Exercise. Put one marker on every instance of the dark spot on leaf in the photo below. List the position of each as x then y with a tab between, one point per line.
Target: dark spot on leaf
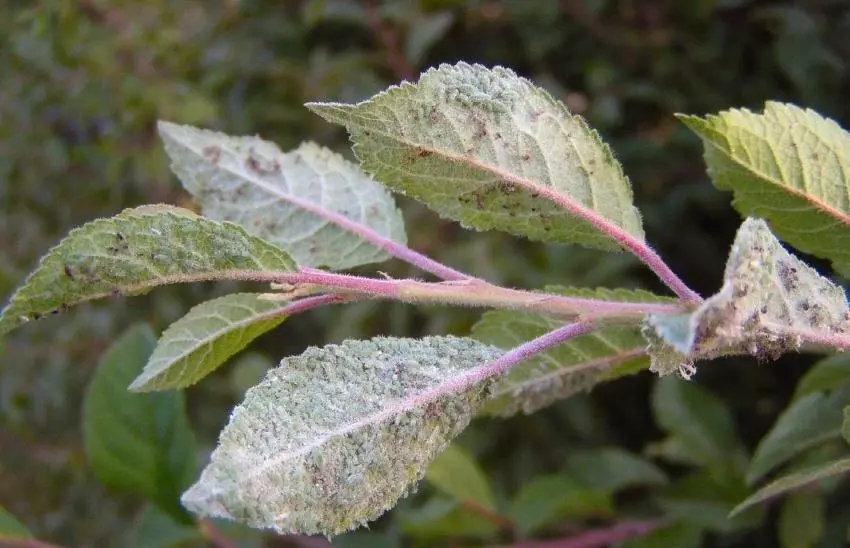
526	156
212	153
68	271
423	152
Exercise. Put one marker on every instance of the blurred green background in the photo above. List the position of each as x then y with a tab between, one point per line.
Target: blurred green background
83	82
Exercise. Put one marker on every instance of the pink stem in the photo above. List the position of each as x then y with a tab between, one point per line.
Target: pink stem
309	303
473	293
600	537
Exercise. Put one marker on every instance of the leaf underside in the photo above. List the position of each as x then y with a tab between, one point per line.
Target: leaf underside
769	302
298	200
569	368
205	338
788	165
486	147
135	251
334	437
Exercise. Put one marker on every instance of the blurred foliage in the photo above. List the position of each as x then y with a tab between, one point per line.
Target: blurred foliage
83	82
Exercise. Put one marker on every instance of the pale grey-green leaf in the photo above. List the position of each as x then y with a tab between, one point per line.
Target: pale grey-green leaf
334	437
309	201
205	338
770	302
135	251
789	165
575	366
491	150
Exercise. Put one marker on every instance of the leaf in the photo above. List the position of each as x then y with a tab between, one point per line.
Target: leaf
845	425
699	420
825	375
808	421
801	520
443	519
489	149
794	481
139	443
770	302
456	474
552	497
679	534
311	202
788	165
612	469
11	528
198	343
153	529
569	368
134	252
334	437
705	498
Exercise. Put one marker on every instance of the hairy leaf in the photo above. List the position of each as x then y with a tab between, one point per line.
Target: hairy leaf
794	481
700	420
456	473
310	201
334	437
11	528
788	165
770	302
810	420
198	343
489	149
141	443
575	366
134	252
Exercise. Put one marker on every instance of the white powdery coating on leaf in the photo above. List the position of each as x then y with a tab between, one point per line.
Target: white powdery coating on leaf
334	437
480	145
286	198
770	299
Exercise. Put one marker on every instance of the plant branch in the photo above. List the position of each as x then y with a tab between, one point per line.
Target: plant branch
389	40
214	535
476	293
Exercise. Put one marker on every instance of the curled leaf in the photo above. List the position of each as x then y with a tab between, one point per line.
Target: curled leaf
770	302
334	437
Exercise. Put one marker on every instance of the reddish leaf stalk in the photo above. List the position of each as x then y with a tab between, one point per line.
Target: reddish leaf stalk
474	293
598	538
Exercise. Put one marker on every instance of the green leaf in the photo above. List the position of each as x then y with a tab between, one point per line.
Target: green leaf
547	499
794	481
198	343
456	474
808	421
310	201
825	375
442	519
788	165
770	302
572	367
612	469
140	443
334	437
704	426
11	528
680	534
705	498
136	251
802	520
154	529
845	425
491	150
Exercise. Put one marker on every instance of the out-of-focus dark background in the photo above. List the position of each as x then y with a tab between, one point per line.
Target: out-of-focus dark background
82	83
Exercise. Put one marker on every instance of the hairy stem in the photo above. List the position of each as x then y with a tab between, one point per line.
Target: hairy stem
474	293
